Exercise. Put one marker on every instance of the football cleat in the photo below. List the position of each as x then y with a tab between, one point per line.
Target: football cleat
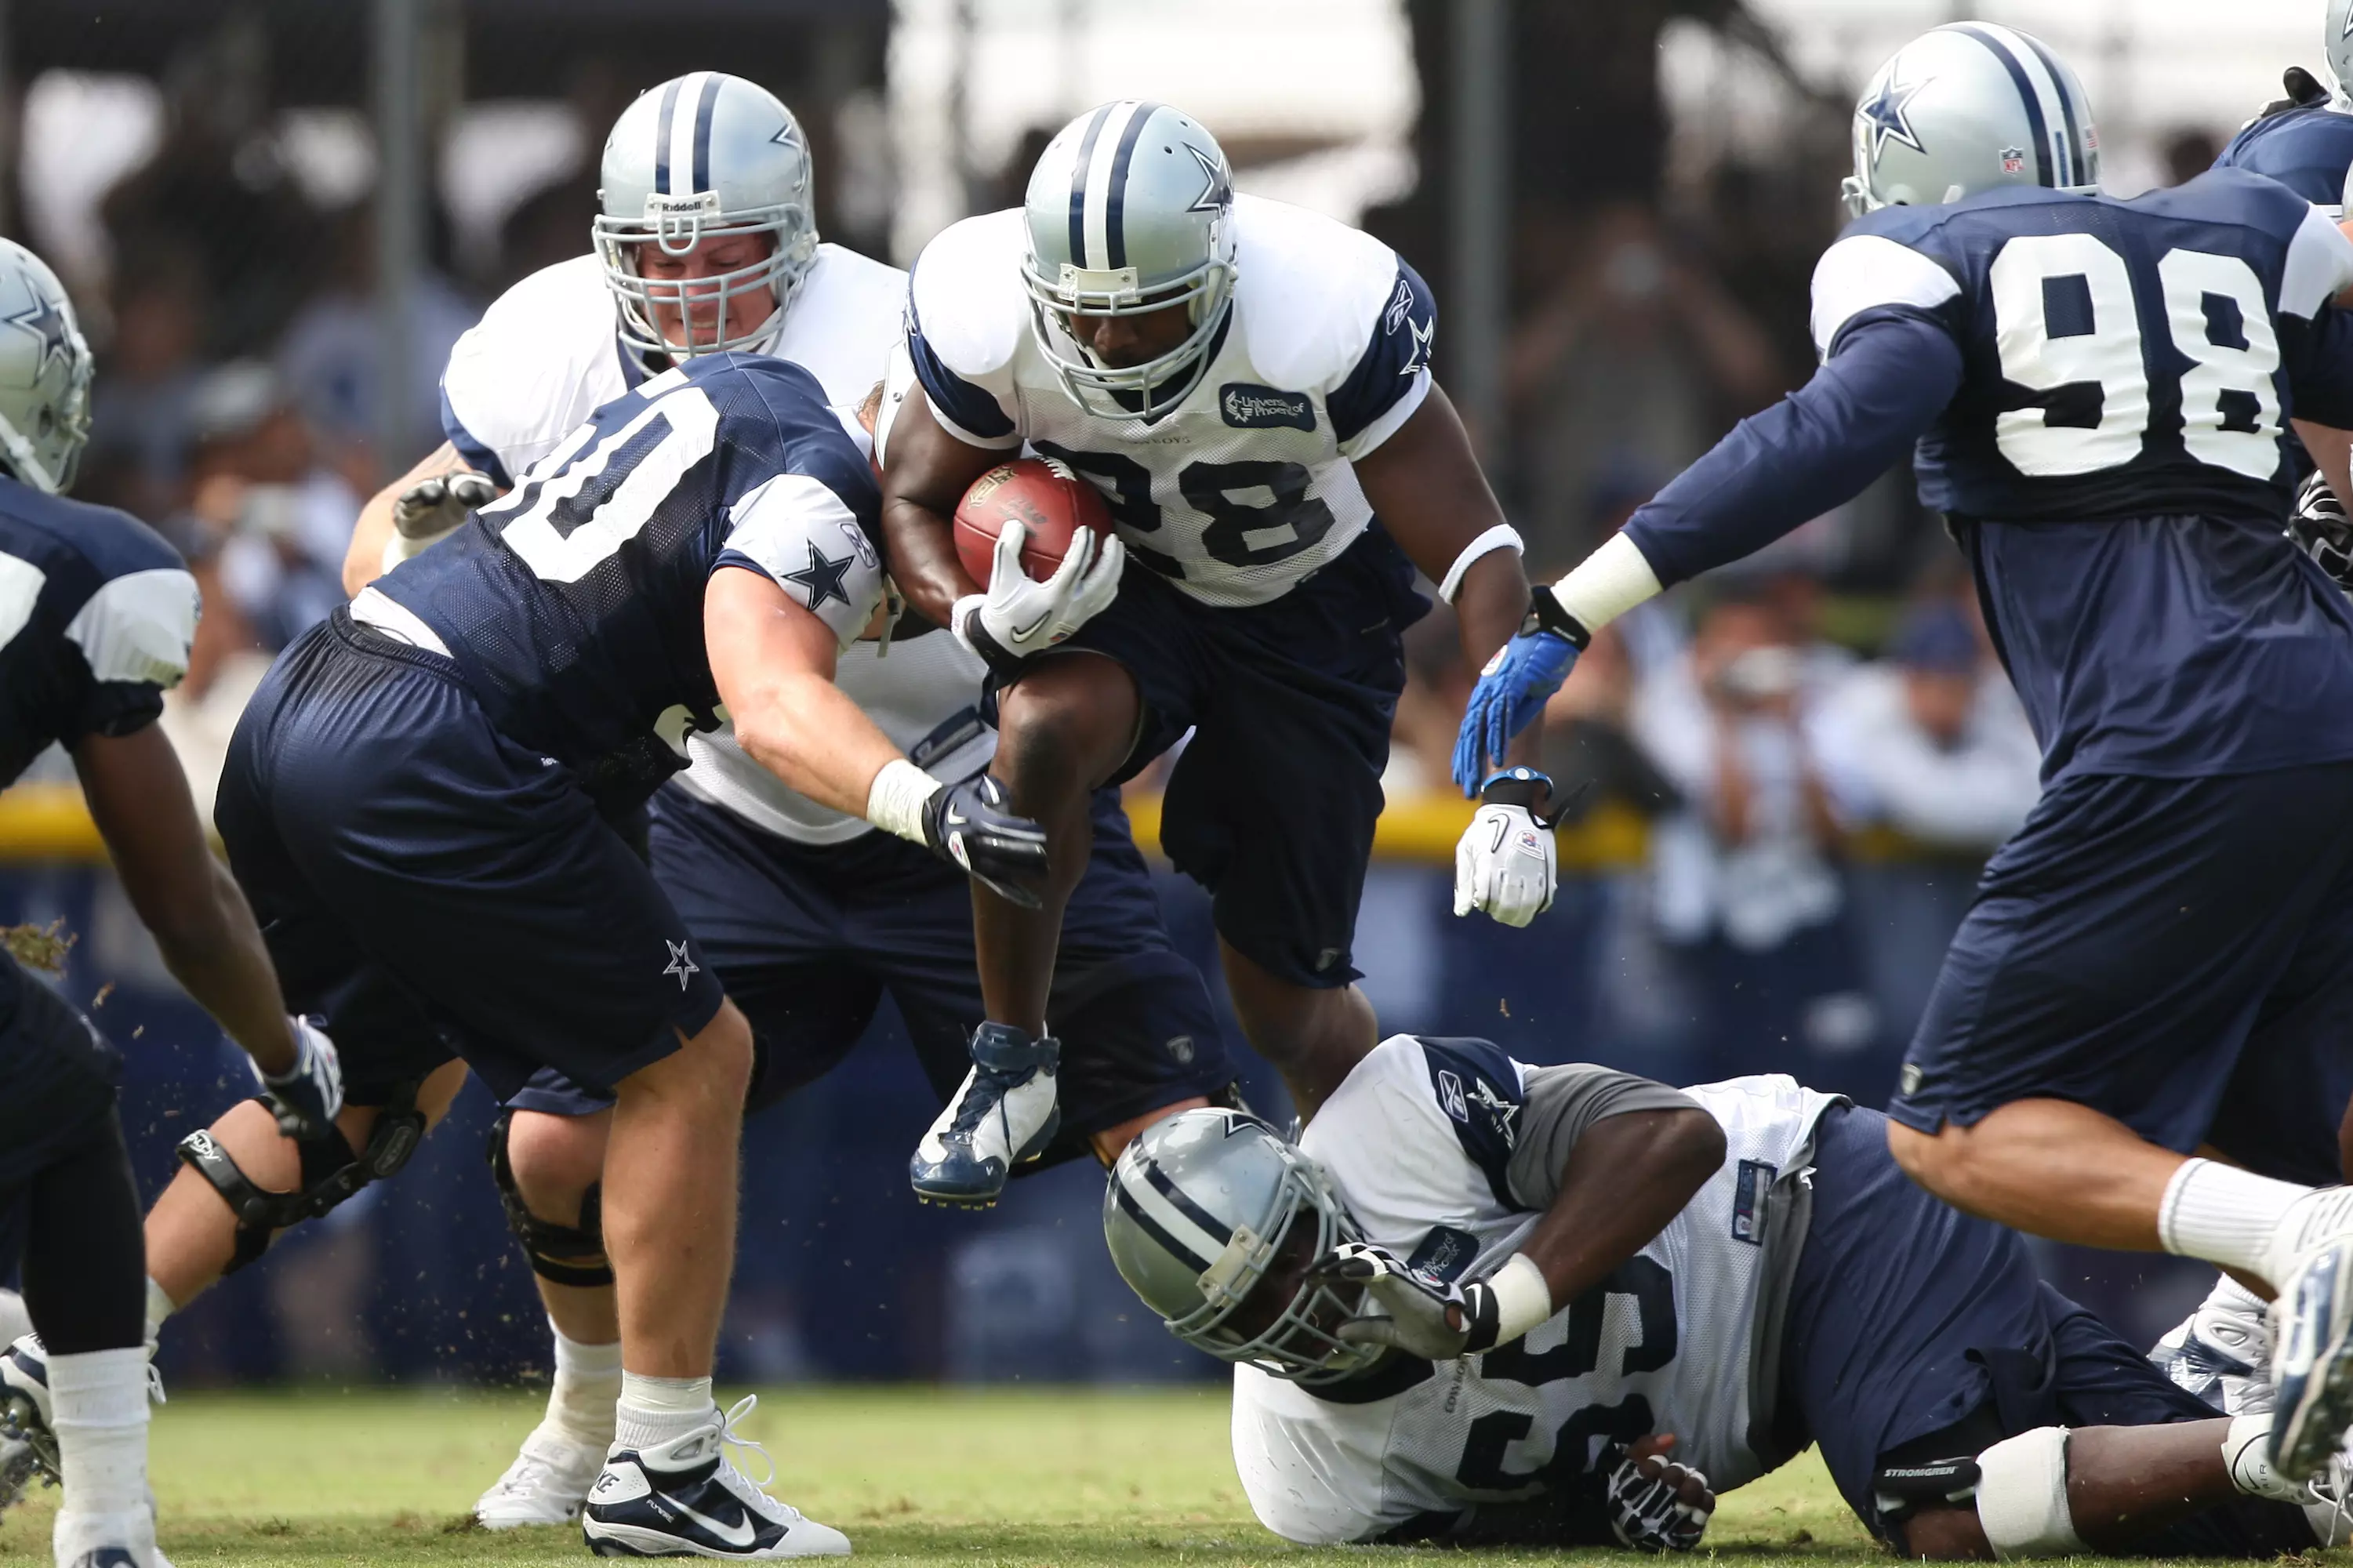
1005	1115
2222	1352
27	1446
125	1540
685	1498
547	1483
2312	1376
2323	1499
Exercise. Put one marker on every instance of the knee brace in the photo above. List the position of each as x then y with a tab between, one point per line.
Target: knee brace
331	1173
2023	1496
560	1254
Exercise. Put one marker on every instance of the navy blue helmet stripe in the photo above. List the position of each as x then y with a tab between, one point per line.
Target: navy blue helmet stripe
1152	1228
1079	186
1116	205
2037	130
661	138
703	108
1166	1187
2077	172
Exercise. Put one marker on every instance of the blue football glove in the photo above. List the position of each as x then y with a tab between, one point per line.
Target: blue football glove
1515	687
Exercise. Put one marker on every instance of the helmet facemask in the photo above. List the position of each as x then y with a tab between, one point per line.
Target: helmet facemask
1130	392
1295	1343
677	225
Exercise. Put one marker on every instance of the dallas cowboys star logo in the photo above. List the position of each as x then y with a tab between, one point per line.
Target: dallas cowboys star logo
48	324
1219	192
1423	331
822	578
1884	114
679	965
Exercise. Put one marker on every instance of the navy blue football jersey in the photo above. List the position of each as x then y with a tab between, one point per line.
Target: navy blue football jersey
2100	392
573	603
2307	149
97	614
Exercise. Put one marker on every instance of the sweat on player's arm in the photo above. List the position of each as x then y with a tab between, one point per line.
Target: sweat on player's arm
1750	1273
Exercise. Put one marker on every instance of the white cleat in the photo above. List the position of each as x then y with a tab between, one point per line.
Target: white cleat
547	1483
2222	1352
2246	1452
107	1541
1004	1115
686	1499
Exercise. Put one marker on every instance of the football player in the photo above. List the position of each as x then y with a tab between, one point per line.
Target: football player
96	614
2100	393
805	913
1250	386
2305	141
1479	1303
419	800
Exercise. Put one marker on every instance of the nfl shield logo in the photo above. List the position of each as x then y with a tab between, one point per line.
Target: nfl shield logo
2014	160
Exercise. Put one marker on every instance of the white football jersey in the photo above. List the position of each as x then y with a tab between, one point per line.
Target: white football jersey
1415	1140
546	356
1245	485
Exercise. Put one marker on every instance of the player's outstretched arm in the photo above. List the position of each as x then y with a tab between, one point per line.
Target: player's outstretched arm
773	661
139	798
925	472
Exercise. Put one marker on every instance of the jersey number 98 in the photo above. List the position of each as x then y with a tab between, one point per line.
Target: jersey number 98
2066	325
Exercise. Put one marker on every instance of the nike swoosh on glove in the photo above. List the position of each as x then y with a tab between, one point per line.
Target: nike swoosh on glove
1428	1317
1511	695
1018	617
308	1096
969	825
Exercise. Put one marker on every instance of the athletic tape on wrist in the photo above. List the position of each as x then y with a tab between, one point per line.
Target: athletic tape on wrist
1523	1300
1503	536
895	801
1607	582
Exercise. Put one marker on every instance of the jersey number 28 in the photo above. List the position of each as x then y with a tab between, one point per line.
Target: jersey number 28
2064	319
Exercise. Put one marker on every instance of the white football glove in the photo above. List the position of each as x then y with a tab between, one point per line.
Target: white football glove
1504	863
432	510
1018	617
1656	1504
307	1097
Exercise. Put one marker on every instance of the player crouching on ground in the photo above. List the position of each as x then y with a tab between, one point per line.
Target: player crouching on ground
1479	1303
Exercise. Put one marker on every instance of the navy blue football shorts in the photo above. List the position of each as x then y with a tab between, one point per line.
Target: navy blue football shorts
1272	805
58	1079
1910	1325
807	938
2175	952
433	889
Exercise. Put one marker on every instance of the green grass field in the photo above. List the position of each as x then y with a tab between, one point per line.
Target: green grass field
915	1476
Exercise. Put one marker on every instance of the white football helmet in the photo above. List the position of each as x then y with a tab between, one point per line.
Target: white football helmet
2336	43
44	374
701	157
1966	108
1130	210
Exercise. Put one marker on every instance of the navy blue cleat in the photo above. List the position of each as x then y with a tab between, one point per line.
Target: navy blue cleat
2313	1374
1005	1115
685	1498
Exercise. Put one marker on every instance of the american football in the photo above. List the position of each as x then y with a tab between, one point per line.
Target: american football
1041	494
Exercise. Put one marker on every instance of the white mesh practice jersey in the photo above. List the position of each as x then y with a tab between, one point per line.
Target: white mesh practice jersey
546	356
1245	485
1417	1141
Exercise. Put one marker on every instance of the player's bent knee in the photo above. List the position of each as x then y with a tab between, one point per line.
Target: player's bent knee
2023	1496
367	1146
1944	1535
556	1158
562	1231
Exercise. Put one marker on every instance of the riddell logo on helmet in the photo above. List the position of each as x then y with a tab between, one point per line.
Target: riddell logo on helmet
1250	407
700	203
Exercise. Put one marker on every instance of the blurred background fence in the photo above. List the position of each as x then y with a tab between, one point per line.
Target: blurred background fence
277	214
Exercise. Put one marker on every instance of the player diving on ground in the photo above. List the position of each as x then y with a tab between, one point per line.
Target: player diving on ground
1484	1303
2096	394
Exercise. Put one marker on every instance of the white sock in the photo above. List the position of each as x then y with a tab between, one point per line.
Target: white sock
159	1307
2239	1220
587	1384
653	1410
100	1398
